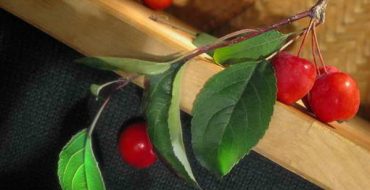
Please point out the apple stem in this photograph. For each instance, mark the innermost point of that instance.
(317, 12)
(318, 49)
(313, 50)
(304, 37)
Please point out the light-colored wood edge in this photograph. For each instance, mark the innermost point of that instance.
(334, 156)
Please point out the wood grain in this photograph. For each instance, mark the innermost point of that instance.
(333, 156)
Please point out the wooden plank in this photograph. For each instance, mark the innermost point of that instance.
(86, 27)
(314, 151)
(333, 156)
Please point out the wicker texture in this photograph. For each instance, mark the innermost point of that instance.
(343, 38)
(207, 16)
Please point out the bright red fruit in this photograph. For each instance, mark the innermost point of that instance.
(328, 69)
(158, 4)
(295, 77)
(135, 146)
(323, 71)
(335, 97)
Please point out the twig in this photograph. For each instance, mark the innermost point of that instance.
(316, 12)
(97, 116)
(122, 83)
(234, 34)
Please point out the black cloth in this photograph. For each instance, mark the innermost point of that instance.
(45, 99)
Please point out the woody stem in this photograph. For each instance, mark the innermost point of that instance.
(317, 12)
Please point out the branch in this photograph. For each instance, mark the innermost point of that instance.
(317, 12)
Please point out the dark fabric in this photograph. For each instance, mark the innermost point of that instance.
(45, 100)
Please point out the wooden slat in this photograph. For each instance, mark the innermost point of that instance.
(86, 27)
(335, 156)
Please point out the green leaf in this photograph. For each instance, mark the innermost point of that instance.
(126, 64)
(231, 114)
(163, 117)
(204, 39)
(77, 166)
(252, 49)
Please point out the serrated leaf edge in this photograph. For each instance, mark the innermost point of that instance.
(72, 140)
(269, 118)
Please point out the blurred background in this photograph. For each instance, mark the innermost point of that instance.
(343, 37)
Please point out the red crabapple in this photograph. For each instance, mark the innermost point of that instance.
(295, 77)
(158, 4)
(323, 71)
(328, 69)
(135, 146)
(334, 97)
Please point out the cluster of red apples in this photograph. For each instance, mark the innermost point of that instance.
(327, 92)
